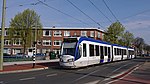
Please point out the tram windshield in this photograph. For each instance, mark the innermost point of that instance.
(69, 48)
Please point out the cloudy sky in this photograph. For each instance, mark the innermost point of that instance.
(133, 14)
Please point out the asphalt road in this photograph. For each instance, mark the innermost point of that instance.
(98, 74)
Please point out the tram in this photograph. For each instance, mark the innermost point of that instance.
(82, 51)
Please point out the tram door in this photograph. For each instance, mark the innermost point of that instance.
(85, 54)
(101, 54)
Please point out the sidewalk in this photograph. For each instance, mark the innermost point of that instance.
(139, 76)
(24, 66)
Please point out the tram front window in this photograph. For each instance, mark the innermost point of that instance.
(69, 49)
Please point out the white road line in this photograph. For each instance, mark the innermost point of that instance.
(51, 75)
(120, 67)
(23, 79)
(80, 69)
(88, 75)
(113, 72)
(93, 82)
(121, 74)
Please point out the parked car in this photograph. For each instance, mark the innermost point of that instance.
(40, 56)
(21, 55)
(6, 55)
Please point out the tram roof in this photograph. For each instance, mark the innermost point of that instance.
(93, 40)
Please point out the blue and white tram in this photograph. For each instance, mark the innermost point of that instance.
(83, 51)
(131, 53)
(119, 52)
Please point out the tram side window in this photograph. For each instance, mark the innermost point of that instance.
(115, 51)
(97, 50)
(132, 52)
(121, 51)
(84, 50)
(102, 53)
(118, 51)
(124, 52)
(129, 52)
(106, 51)
(91, 49)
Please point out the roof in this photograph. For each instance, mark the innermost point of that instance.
(70, 28)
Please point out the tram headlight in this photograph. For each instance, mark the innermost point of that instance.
(61, 60)
(70, 60)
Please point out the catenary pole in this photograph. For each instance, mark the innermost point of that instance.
(2, 33)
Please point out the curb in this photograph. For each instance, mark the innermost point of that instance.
(27, 70)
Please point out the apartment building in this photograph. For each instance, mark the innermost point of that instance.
(52, 37)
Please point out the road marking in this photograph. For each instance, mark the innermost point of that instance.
(23, 79)
(120, 68)
(111, 77)
(80, 69)
(93, 82)
(51, 75)
(125, 73)
(88, 74)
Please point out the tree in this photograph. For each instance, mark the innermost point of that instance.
(127, 39)
(22, 26)
(139, 44)
(114, 32)
(146, 48)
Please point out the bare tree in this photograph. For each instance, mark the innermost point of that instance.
(139, 44)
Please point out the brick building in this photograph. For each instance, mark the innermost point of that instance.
(52, 37)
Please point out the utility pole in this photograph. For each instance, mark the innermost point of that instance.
(2, 33)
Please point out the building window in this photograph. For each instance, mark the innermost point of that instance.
(7, 42)
(91, 33)
(17, 42)
(57, 43)
(16, 33)
(102, 35)
(15, 51)
(45, 50)
(83, 33)
(66, 33)
(75, 34)
(57, 51)
(46, 42)
(98, 35)
(38, 42)
(6, 33)
(38, 50)
(46, 33)
(57, 33)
